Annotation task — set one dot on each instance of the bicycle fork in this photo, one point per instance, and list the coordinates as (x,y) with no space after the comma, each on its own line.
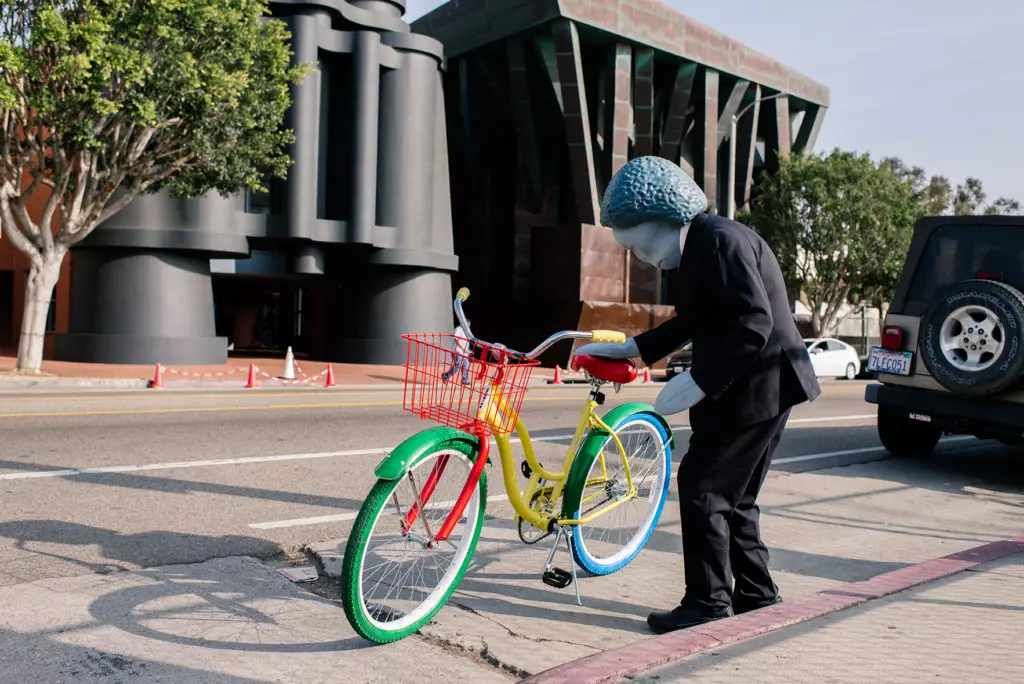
(464,496)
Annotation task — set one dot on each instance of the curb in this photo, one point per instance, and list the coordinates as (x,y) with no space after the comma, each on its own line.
(651,652)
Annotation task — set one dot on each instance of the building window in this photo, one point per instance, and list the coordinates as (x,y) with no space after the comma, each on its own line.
(257,202)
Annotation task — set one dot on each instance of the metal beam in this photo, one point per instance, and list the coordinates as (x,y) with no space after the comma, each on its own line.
(731,106)
(746,146)
(809,128)
(522,112)
(643,101)
(569,65)
(679,108)
(708,138)
(622,108)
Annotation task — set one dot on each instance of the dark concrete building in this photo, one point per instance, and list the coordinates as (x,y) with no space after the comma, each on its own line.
(547,99)
(472,150)
(351,251)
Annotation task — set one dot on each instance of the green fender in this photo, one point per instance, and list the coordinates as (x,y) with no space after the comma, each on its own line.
(592,445)
(413,450)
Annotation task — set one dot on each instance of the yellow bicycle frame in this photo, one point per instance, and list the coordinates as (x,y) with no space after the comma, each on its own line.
(493,408)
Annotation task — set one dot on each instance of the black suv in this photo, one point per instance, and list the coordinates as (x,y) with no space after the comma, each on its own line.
(680,361)
(952,348)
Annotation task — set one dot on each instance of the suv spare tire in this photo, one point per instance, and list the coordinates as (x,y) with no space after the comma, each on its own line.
(972,338)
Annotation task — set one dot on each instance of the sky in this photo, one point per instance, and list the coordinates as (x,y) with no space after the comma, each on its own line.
(938,83)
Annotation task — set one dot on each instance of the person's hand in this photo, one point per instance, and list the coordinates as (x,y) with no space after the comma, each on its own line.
(679,394)
(611,350)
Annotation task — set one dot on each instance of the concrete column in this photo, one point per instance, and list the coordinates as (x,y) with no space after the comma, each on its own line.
(366,96)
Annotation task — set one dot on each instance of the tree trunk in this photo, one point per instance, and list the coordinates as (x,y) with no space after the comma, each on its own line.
(42,278)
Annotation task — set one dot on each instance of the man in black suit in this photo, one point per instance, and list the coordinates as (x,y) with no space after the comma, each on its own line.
(750,367)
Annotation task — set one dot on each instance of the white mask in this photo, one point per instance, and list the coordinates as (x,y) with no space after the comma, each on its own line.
(654,242)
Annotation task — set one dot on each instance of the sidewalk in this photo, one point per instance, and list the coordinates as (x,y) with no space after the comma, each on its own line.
(968,628)
(231,375)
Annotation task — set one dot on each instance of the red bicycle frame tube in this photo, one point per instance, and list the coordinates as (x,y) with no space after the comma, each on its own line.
(464,496)
(467,489)
(428,489)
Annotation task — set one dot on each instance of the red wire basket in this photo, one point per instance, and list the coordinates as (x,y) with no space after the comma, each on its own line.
(473,386)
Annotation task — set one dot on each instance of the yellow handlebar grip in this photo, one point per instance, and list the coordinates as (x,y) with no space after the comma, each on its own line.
(609,336)
(463,293)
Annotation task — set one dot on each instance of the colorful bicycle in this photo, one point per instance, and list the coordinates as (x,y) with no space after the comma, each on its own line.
(416,531)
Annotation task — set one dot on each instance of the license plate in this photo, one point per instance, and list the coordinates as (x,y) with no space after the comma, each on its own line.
(893,362)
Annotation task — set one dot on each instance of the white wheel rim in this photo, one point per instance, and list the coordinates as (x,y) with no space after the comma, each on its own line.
(972,338)
(467,525)
(649,480)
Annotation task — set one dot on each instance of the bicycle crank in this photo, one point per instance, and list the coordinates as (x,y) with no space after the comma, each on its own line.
(527,532)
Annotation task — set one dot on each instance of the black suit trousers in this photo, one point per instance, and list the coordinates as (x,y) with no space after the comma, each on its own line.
(719,480)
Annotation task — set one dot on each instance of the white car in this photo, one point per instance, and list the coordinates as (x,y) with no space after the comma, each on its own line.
(833,358)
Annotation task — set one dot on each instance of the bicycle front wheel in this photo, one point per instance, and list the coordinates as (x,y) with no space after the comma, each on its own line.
(393,578)
(613,539)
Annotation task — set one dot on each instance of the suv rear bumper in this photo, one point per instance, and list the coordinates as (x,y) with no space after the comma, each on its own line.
(988,419)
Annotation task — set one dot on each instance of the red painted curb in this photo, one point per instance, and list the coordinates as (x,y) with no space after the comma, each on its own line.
(645,654)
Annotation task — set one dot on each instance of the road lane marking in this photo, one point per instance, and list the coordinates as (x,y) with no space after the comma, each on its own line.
(352,515)
(343,517)
(852,452)
(220,409)
(66,472)
(6,395)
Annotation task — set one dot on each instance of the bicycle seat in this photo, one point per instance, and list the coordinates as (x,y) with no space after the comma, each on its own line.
(618,371)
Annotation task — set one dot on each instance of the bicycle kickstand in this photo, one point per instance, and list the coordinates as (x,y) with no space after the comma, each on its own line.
(557,577)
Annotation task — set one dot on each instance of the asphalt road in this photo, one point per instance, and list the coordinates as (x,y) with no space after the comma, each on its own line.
(150,477)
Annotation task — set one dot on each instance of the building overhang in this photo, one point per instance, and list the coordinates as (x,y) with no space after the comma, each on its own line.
(464,25)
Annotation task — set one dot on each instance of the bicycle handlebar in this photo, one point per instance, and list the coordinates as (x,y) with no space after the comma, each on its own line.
(595,335)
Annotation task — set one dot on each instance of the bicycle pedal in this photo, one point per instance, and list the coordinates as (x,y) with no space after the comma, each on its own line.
(557,577)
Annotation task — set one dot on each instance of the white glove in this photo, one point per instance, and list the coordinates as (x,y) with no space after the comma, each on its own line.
(679,394)
(611,350)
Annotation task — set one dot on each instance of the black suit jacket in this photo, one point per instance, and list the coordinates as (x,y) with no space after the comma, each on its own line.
(731,301)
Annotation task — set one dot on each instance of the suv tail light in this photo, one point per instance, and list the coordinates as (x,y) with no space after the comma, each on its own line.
(988,275)
(892,338)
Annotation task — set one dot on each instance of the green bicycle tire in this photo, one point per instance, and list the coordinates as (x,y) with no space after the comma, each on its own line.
(571,501)
(355,549)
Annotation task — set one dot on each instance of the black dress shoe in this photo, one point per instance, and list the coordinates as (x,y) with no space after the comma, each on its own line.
(682,617)
(740,607)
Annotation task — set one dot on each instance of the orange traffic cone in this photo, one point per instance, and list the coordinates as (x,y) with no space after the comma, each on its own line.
(330,376)
(252,376)
(558,377)
(157,382)
(647,374)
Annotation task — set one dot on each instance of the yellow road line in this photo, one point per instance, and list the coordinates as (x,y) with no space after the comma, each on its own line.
(217,409)
(186,394)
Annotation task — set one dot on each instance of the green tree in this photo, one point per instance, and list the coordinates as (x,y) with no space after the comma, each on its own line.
(102,100)
(937,196)
(840,225)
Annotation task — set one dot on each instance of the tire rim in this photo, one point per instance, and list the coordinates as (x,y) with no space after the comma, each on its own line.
(851,372)
(972,338)
(649,471)
(399,545)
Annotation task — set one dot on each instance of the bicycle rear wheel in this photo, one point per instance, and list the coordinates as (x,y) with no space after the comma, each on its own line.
(393,581)
(612,540)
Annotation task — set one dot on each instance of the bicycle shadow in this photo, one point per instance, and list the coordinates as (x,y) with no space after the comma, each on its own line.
(228,606)
(233,602)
